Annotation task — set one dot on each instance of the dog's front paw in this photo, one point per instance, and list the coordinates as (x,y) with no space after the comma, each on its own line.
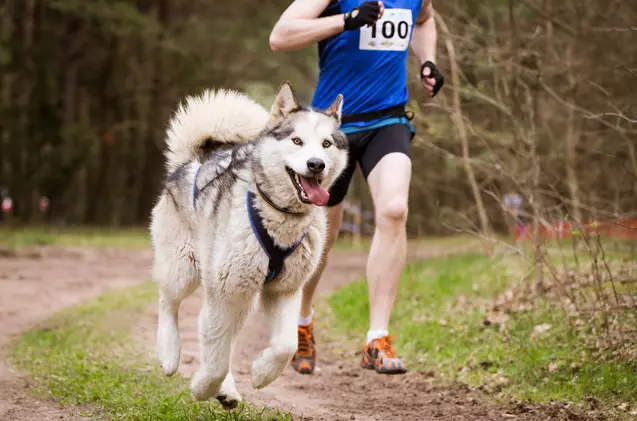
(261,376)
(267,368)
(169,365)
(168,351)
(203,386)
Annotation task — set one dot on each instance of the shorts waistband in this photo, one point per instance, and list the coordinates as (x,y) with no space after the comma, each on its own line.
(397,111)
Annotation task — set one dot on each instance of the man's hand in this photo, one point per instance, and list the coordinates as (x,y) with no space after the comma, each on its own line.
(432,79)
(365,14)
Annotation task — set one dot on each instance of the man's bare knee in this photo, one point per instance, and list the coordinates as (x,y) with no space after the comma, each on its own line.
(392,213)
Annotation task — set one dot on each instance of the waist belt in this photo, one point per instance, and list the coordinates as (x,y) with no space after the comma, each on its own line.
(276,254)
(398,111)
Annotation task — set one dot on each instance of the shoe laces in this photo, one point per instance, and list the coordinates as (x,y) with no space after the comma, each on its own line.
(385,344)
(305,339)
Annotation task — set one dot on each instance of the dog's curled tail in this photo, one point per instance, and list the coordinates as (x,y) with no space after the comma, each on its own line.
(210,120)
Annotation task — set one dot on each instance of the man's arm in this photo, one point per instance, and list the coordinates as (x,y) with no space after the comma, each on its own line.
(300,26)
(424,38)
(423,44)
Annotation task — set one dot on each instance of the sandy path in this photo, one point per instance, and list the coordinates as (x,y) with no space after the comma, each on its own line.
(38,282)
(340,390)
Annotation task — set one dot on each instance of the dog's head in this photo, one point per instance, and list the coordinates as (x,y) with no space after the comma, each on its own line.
(303,151)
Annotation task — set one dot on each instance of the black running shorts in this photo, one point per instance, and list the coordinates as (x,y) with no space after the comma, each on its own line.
(367,148)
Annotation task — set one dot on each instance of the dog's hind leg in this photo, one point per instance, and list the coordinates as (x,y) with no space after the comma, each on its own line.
(177,275)
(282,311)
(168,341)
(220,320)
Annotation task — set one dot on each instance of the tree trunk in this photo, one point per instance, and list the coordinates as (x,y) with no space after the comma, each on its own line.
(71,200)
(6,105)
(570,143)
(571,140)
(633,162)
(151,171)
(20,184)
(462,132)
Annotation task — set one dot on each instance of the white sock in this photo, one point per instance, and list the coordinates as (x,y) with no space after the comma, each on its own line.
(306,320)
(375,334)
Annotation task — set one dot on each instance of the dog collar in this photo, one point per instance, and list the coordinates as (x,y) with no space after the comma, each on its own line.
(276,254)
(269,201)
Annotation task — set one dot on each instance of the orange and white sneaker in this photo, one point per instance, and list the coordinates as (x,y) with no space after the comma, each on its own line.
(379,355)
(304,358)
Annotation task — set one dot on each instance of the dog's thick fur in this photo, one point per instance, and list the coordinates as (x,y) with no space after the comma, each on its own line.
(220,145)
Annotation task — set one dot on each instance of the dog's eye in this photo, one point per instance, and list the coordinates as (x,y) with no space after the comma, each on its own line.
(327,143)
(297,141)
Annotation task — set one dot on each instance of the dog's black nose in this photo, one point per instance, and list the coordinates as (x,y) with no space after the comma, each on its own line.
(315,165)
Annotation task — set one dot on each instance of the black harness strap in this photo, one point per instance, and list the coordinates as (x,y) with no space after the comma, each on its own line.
(276,254)
(273,205)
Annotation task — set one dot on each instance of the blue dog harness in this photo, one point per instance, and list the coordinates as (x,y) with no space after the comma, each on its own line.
(276,254)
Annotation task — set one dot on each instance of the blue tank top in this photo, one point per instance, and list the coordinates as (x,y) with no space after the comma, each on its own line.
(369,65)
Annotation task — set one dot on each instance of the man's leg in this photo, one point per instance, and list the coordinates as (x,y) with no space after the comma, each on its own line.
(388,181)
(389,185)
(304,359)
(334,218)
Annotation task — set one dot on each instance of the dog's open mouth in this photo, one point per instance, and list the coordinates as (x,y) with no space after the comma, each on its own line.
(309,189)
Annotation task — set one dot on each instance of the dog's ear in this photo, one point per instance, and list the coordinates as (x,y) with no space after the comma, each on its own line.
(284,103)
(335,110)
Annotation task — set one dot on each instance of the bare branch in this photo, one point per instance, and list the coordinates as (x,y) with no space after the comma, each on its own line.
(583,111)
(618,115)
(613,29)
(564,26)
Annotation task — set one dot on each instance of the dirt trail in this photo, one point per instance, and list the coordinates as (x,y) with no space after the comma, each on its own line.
(340,390)
(37,282)
(41,281)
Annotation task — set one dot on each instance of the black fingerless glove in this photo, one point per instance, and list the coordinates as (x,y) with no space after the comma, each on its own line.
(438,77)
(367,15)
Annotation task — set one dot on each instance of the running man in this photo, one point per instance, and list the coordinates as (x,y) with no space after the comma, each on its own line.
(363,49)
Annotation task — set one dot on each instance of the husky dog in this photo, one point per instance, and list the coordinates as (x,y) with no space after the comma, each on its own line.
(241,212)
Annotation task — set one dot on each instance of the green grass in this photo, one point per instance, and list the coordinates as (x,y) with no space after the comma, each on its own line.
(85,356)
(12,237)
(346,243)
(80,236)
(438,325)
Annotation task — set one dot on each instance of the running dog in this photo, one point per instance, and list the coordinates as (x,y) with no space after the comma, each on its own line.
(241,212)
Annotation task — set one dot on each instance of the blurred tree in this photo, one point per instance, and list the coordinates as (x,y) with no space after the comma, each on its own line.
(545,89)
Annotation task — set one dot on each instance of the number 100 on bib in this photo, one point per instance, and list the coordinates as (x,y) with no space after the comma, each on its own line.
(391,33)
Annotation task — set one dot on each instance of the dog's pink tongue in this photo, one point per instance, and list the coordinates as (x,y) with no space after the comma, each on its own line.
(315,192)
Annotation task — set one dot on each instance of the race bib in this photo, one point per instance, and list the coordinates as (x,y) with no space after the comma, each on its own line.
(391,33)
